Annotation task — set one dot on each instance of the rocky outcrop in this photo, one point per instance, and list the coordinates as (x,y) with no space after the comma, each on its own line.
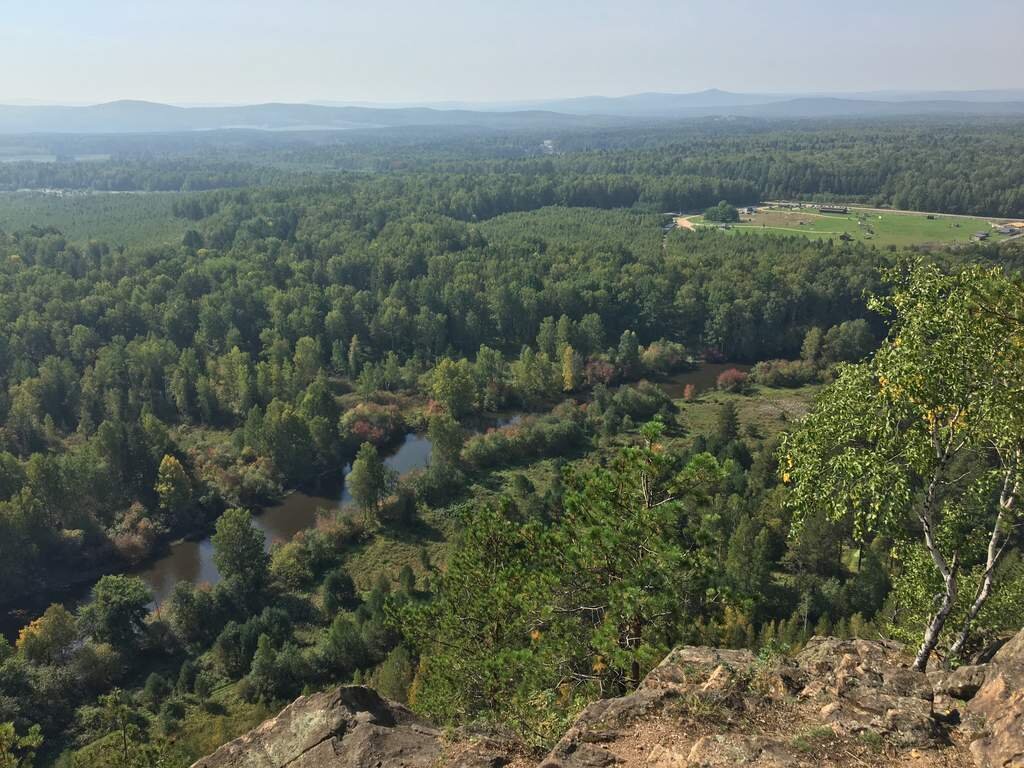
(851,692)
(349,727)
(836,703)
(865,685)
(996,705)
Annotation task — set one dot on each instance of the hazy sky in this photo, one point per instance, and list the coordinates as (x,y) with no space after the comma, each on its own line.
(188,51)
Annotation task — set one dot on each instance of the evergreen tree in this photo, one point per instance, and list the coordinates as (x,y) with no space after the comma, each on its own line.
(238,551)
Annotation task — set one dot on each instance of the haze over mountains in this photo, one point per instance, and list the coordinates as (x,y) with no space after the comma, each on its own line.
(143,117)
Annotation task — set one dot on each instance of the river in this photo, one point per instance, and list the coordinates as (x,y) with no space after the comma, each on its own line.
(193,560)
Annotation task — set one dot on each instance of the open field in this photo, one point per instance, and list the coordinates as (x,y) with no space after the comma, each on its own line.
(120,218)
(881,227)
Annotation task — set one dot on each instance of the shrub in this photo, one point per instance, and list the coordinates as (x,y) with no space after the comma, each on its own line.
(290,565)
(664,356)
(532,438)
(370,423)
(733,380)
(338,592)
(784,373)
(642,401)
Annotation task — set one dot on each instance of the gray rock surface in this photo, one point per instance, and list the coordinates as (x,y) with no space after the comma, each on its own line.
(699,708)
(347,727)
(864,685)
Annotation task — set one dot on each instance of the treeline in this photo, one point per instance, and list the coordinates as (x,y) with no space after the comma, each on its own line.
(119,175)
(927,165)
(938,164)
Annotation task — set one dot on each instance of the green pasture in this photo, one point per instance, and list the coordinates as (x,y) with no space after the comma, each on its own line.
(881,227)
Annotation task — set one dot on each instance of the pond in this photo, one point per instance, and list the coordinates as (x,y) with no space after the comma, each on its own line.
(703,379)
(192,561)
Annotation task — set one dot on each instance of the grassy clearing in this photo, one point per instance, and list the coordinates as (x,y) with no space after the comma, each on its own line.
(883,228)
(764,409)
(119,219)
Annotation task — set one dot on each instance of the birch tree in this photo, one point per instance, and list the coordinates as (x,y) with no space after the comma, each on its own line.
(924,441)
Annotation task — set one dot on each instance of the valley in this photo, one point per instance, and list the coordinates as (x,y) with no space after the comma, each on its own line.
(454,414)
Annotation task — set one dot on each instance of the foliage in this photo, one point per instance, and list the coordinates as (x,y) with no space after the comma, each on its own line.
(117,612)
(927,435)
(18,751)
(723,213)
(369,480)
(238,551)
(522,616)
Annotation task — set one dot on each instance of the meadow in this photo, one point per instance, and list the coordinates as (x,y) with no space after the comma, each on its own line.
(871,225)
(119,218)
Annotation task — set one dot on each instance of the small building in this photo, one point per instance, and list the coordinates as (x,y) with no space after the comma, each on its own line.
(834,209)
(930,216)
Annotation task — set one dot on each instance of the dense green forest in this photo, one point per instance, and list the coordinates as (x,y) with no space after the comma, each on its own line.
(937,164)
(311,318)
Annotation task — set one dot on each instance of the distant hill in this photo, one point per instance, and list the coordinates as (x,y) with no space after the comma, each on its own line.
(591,111)
(658,104)
(715,102)
(144,117)
(836,107)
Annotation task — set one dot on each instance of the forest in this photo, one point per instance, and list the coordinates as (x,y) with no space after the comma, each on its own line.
(316,311)
(965,166)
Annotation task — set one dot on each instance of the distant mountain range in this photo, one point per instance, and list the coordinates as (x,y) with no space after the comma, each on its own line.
(148,117)
(714,101)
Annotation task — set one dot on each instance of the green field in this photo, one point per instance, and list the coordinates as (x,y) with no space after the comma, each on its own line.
(881,227)
(136,218)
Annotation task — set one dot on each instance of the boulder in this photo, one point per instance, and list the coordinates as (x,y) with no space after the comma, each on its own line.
(1000,703)
(712,674)
(961,683)
(866,685)
(347,727)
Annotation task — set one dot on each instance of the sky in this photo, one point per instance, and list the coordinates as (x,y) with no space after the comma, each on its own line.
(400,51)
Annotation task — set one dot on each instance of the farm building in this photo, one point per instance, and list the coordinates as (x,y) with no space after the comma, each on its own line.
(834,209)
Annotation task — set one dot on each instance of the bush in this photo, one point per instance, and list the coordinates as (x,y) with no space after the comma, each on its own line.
(784,373)
(642,401)
(171,714)
(344,649)
(203,686)
(555,434)
(663,356)
(156,690)
(290,565)
(733,380)
(395,674)
(370,423)
(722,213)
(338,592)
